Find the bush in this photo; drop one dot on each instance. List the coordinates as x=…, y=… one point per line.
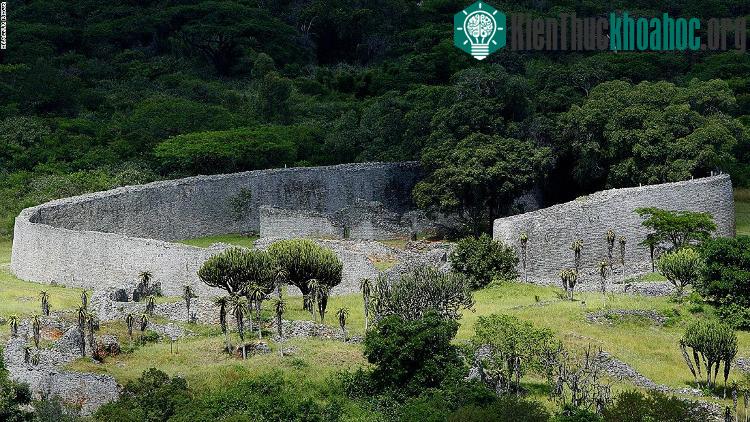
x=13, y=397
x=635, y=406
x=420, y=291
x=152, y=397
x=504, y=409
x=725, y=280
x=412, y=355
x=483, y=259
x=681, y=267
x=515, y=347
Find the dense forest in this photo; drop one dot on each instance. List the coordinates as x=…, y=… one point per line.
x=99, y=94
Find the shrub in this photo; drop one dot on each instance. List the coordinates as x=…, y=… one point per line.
x=503, y=409
x=725, y=280
x=681, y=267
x=152, y=397
x=635, y=406
x=13, y=397
x=483, y=259
x=420, y=291
x=515, y=347
x=411, y=355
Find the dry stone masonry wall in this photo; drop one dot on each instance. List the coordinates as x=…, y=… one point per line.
x=551, y=231
x=105, y=239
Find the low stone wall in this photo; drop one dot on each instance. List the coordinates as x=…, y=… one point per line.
x=552, y=230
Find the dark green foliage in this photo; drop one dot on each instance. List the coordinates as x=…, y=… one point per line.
x=235, y=150
x=268, y=397
x=503, y=409
x=635, y=406
x=676, y=229
x=235, y=269
x=411, y=355
x=478, y=177
x=725, y=281
x=154, y=397
x=711, y=343
x=303, y=261
x=12, y=397
x=53, y=410
x=483, y=259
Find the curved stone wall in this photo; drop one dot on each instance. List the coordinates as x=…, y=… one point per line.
x=552, y=230
x=106, y=238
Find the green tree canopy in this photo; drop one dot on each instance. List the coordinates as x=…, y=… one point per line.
x=235, y=269
x=677, y=229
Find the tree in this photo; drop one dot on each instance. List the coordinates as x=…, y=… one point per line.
x=515, y=347
x=130, y=322
x=304, y=260
x=150, y=304
x=603, y=281
x=256, y=295
x=279, y=307
x=677, y=228
x=223, y=302
x=420, y=291
x=321, y=297
x=682, y=267
x=45, y=302
x=239, y=307
x=81, y=316
x=577, y=247
x=13, y=323
x=483, y=259
x=725, y=279
x=478, y=177
x=188, y=295
x=36, y=330
x=654, y=132
x=84, y=299
x=342, y=314
x=366, y=286
x=610, y=237
x=569, y=279
x=523, y=240
x=713, y=343
x=143, y=324
x=410, y=355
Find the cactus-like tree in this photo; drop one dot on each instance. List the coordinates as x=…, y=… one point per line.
x=312, y=297
x=322, y=300
x=90, y=322
x=36, y=329
x=188, y=295
x=366, y=286
x=84, y=300
x=603, y=281
x=523, y=240
x=44, y=297
x=577, y=248
x=569, y=279
x=239, y=308
x=13, y=323
x=622, y=242
x=342, y=315
x=82, y=328
x=223, y=302
x=150, y=304
x=279, y=308
x=143, y=325
x=611, y=238
x=256, y=296
x=130, y=322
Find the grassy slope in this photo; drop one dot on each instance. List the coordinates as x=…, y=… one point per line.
x=22, y=298
x=742, y=211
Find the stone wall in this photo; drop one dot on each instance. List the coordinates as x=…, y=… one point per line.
x=106, y=239
x=552, y=230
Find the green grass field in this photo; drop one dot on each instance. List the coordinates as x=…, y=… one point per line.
x=232, y=239
x=742, y=211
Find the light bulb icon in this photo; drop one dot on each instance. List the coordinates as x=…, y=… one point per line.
x=479, y=30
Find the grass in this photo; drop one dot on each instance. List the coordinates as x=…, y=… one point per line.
x=232, y=239
x=742, y=210
x=22, y=297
